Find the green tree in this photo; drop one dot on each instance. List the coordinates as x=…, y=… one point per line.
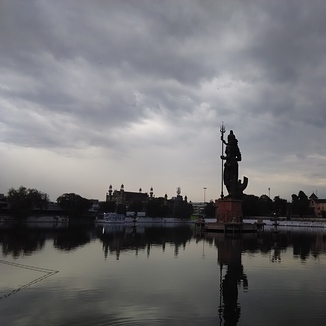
x=23, y=201
x=74, y=205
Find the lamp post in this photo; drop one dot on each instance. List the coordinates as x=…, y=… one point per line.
x=269, y=192
x=204, y=208
x=222, y=130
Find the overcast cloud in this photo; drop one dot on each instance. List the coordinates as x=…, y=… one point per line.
x=94, y=93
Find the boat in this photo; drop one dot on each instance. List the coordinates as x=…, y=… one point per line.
x=111, y=218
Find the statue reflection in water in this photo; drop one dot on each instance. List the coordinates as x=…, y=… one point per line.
x=229, y=255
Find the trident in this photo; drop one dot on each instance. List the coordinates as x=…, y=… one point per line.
x=222, y=130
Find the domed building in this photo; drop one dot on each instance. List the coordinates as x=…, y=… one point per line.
x=126, y=197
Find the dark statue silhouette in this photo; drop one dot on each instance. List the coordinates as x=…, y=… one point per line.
x=232, y=157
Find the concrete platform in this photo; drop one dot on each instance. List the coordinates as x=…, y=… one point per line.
x=232, y=227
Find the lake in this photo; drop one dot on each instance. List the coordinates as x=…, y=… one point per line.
x=161, y=275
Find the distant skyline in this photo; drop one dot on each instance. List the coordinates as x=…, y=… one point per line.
x=94, y=93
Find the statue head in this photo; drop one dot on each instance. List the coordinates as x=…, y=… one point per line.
x=231, y=138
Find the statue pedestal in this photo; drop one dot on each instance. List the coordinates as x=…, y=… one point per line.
x=228, y=210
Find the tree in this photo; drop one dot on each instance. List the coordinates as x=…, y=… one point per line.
x=135, y=206
x=209, y=210
x=279, y=206
x=156, y=207
x=121, y=209
x=265, y=205
x=153, y=207
x=182, y=209
x=74, y=205
x=250, y=205
x=300, y=204
x=23, y=201
x=107, y=207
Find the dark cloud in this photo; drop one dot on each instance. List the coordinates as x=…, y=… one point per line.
x=124, y=75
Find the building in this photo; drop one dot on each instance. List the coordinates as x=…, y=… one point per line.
x=318, y=205
x=126, y=197
x=153, y=206
x=199, y=208
x=4, y=206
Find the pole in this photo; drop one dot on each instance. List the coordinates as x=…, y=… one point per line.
x=204, y=194
x=222, y=130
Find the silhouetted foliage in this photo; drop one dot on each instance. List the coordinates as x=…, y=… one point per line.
x=300, y=204
x=74, y=205
x=182, y=209
x=265, y=205
x=165, y=210
x=250, y=206
x=121, y=209
x=279, y=206
x=154, y=208
x=209, y=210
x=107, y=207
x=23, y=201
x=135, y=206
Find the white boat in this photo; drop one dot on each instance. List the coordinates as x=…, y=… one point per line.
x=111, y=218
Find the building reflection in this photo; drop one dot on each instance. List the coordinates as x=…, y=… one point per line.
x=118, y=238
x=115, y=239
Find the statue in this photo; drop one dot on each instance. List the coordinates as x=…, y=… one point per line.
x=232, y=157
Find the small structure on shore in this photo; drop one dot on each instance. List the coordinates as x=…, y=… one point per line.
x=229, y=215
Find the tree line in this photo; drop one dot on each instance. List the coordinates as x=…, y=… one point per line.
x=25, y=201
x=264, y=206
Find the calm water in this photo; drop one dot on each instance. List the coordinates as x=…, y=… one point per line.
x=161, y=276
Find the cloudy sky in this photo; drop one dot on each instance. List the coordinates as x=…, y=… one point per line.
x=94, y=93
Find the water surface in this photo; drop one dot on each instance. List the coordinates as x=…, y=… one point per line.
x=161, y=276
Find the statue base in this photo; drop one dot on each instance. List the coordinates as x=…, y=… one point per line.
x=229, y=210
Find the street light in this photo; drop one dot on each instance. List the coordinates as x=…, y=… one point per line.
x=204, y=194
x=204, y=206
x=269, y=192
